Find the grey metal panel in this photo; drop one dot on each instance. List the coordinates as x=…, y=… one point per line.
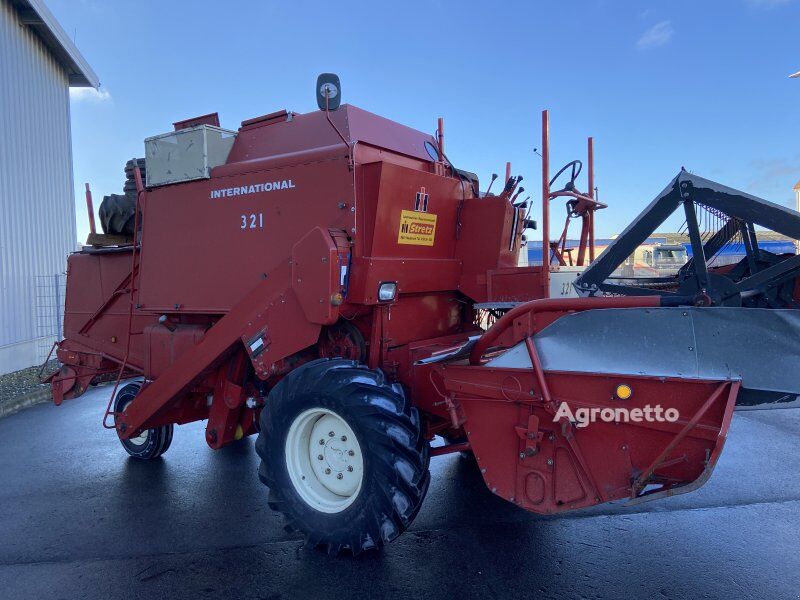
x=186, y=154
x=759, y=346
x=37, y=209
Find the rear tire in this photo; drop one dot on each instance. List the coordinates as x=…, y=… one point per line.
x=151, y=443
x=373, y=475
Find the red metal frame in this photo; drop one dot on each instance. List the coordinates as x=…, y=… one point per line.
x=450, y=449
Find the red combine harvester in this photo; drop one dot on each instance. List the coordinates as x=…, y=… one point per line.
x=320, y=280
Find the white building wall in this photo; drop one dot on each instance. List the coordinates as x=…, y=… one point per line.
x=37, y=209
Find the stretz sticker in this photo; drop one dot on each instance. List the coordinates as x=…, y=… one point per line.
x=417, y=228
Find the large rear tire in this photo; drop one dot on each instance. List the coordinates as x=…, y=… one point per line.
x=343, y=455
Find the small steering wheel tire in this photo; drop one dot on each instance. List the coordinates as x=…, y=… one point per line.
x=150, y=443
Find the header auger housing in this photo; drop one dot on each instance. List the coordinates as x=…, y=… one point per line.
x=324, y=280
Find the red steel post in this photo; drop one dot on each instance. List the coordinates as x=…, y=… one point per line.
x=590, y=151
x=90, y=209
x=440, y=138
x=545, y=204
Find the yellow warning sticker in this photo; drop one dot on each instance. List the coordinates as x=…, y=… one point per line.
x=417, y=228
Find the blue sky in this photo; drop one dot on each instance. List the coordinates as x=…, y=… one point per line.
x=658, y=84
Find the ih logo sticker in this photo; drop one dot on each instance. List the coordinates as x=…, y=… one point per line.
x=417, y=228
x=421, y=203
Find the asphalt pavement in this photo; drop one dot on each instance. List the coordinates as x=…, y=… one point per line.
x=78, y=519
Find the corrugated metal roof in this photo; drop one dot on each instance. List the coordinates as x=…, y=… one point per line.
x=36, y=15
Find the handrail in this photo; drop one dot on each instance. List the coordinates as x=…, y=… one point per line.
x=555, y=304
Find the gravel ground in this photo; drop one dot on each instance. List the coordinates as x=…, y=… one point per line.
x=20, y=383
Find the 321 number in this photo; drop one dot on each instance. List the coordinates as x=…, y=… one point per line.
x=252, y=221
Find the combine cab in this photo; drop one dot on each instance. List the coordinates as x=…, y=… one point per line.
x=333, y=284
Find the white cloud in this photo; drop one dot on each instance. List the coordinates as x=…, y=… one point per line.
x=89, y=94
x=658, y=35
x=767, y=3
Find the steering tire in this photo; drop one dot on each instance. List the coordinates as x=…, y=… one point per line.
x=343, y=455
x=151, y=443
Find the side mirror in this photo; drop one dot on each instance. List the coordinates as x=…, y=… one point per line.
x=329, y=91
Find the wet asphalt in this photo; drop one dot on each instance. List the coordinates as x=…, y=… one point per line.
x=78, y=519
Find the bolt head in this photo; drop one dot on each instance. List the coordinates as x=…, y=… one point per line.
x=550, y=462
x=351, y=453
x=344, y=438
x=339, y=476
x=522, y=455
x=319, y=457
x=330, y=434
x=327, y=471
x=350, y=468
x=322, y=442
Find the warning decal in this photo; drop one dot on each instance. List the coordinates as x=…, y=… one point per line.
x=417, y=228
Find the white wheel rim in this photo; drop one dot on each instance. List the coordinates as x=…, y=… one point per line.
x=324, y=460
x=141, y=439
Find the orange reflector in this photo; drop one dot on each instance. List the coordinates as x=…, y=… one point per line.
x=624, y=392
